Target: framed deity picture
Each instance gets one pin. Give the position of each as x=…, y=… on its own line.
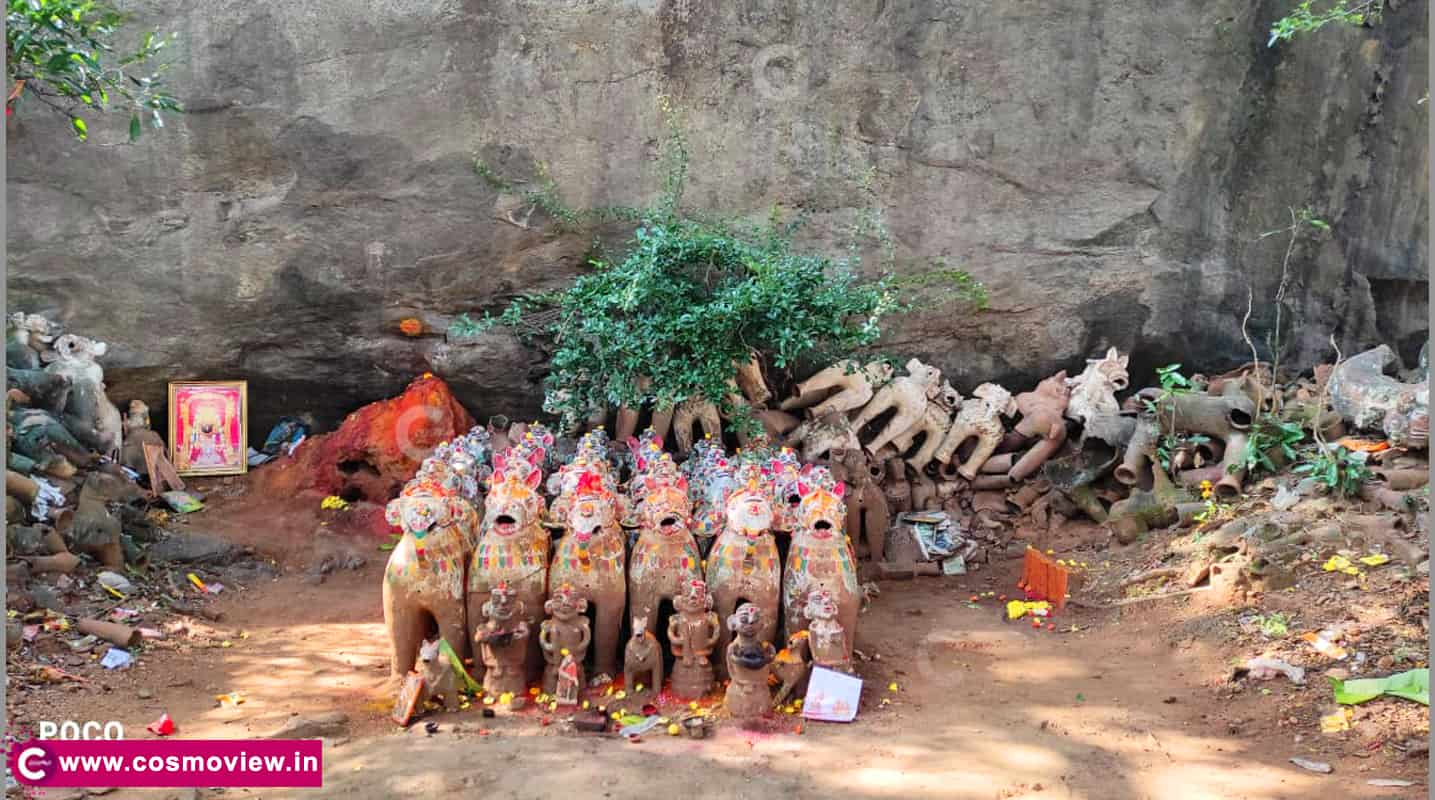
x=209, y=427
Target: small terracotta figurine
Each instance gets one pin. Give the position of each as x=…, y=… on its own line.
x=439, y=678
x=504, y=642
x=566, y=634
x=643, y=658
x=692, y=634
x=792, y=666
x=822, y=434
x=570, y=681
x=829, y=641
x=749, y=662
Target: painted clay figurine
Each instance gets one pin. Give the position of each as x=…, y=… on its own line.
x=425, y=572
x=665, y=559
x=749, y=660
x=566, y=633
x=643, y=659
x=693, y=632
x=512, y=547
x=570, y=681
x=503, y=641
x=831, y=644
x=819, y=435
x=821, y=558
x=591, y=558
x=439, y=677
x=744, y=565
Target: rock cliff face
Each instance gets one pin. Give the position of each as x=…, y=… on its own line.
x=1106, y=168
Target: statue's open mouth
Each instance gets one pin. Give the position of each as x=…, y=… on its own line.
x=504, y=524
x=667, y=522
x=822, y=528
x=585, y=536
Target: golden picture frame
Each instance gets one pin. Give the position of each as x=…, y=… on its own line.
x=209, y=427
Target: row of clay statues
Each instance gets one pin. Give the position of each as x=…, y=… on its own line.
x=522, y=603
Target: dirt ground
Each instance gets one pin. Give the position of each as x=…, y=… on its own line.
x=1132, y=702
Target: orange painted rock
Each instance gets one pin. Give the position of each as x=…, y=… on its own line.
x=376, y=449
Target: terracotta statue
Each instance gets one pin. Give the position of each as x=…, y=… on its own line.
x=936, y=420
x=776, y=424
x=783, y=473
x=693, y=632
x=425, y=574
x=512, y=547
x=85, y=409
x=748, y=659
x=897, y=489
x=570, y=681
x=665, y=559
x=439, y=677
x=566, y=633
x=1042, y=417
x=743, y=565
x=643, y=659
x=698, y=410
x=831, y=641
x=854, y=384
x=908, y=395
x=821, y=558
x=1094, y=390
x=868, y=515
x=792, y=666
x=980, y=417
x=924, y=491
x=710, y=480
x=503, y=640
x=819, y=435
x=591, y=557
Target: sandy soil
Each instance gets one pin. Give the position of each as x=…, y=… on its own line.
x=1133, y=704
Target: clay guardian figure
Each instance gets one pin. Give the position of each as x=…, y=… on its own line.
x=591, y=558
x=744, y=565
x=749, y=660
x=564, y=636
x=693, y=632
x=980, y=417
x=424, y=578
x=665, y=559
x=503, y=641
x=821, y=558
x=908, y=395
x=1042, y=419
x=513, y=547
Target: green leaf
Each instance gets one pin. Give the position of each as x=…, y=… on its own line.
x=80, y=130
x=135, y=127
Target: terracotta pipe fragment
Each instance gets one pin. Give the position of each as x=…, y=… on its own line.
x=64, y=563
x=1193, y=477
x=112, y=632
x=1138, y=451
x=999, y=464
x=984, y=482
x=1402, y=479
x=1229, y=486
x=1032, y=460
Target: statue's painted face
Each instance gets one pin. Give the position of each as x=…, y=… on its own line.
x=823, y=514
x=667, y=510
x=749, y=510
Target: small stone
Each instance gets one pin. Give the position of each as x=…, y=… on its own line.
x=145, y=694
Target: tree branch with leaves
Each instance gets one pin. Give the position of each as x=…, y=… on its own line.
x=62, y=54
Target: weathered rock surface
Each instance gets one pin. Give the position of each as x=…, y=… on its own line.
x=193, y=548
x=1107, y=169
